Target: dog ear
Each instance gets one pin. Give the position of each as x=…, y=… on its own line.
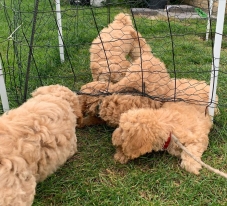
x=117, y=139
x=137, y=144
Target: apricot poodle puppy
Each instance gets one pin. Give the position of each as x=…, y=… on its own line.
x=109, y=51
x=36, y=139
x=100, y=108
x=142, y=131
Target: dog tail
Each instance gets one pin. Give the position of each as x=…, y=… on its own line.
x=124, y=18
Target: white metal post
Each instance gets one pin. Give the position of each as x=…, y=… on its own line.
x=60, y=36
x=209, y=19
x=216, y=55
x=3, y=92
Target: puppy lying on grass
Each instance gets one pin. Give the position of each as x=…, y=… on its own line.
x=142, y=131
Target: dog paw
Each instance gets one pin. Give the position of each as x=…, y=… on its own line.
x=192, y=167
x=119, y=157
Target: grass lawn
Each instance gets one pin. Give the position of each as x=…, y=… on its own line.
x=91, y=177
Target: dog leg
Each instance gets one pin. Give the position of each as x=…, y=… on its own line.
x=120, y=157
x=129, y=81
x=89, y=121
x=188, y=163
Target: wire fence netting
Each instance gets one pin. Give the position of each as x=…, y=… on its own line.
x=161, y=50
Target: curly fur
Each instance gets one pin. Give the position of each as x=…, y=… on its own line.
x=99, y=108
x=64, y=93
x=145, y=130
x=90, y=94
x=165, y=89
x=17, y=186
x=109, y=50
x=191, y=91
x=36, y=139
x=147, y=74
x=89, y=100
x=111, y=107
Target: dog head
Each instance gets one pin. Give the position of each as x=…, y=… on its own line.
x=64, y=93
x=123, y=18
x=140, y=131
x=90, y=95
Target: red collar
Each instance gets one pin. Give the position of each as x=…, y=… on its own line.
x=165, y=146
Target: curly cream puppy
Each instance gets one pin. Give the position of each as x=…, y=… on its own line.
x=100, y=108
x=109, y=51
x=142, y=131
x=36, y=139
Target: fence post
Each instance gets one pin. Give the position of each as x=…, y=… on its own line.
x=209, y=18
x=60, y=37
x=3, y=92
x=216, y=55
